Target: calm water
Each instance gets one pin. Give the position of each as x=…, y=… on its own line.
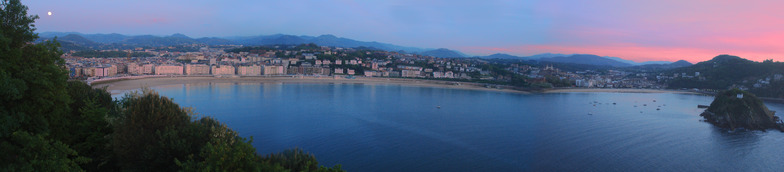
x=399, y=128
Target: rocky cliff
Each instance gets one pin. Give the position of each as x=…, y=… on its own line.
x=740, y=109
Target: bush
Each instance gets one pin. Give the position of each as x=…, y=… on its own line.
x=147, y=132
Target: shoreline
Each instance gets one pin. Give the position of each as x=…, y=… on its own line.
x=615, y=90
x=123, y=85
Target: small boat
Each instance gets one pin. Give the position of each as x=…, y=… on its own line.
x=438, y=107
x=658, y=109
x=654, y=100
x=589, y=113
x=613, y=103
x=644, y=104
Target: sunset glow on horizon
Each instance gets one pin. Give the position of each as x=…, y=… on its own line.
x=646, y=30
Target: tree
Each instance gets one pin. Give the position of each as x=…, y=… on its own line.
x=297, y=160
x=23, y=151
x=224, y=150
x=148, y=131
x=86, y=128
x=32, y=95
x=41, y=115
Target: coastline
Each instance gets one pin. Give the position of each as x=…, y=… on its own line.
x=119, y=86
x=615, y=90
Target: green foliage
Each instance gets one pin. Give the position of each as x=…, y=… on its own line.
x=256, y=50
x=23, y=151
x=33, y=86
x=17, y=27
x=224, y=150
x=264, y=49
x=86, y=128
x=519, y=81
x=724, y=71
x=310, y=46
x=42, y=117
x=153, y=133
x=177, y=48
x=147, y=133
x=495, y=69
x=749, y=112
x=32, y=95
x=297, y=160
x=775, y=89
x=90, y=137
x=541, y=85
x=329, y=57
x=107, y=54
x=558, y=82
x=362, y=54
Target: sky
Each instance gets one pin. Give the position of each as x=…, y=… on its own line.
x=638, y=30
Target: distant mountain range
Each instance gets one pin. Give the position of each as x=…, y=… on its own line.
x=589, y=59
x=534, y=57
x=443, y=53
x=586, y=59
x=79, y=41
x=96, y=40
x=654, y=67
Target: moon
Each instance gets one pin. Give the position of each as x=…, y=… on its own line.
x=49, y=13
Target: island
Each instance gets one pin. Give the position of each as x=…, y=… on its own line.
x=736, y=109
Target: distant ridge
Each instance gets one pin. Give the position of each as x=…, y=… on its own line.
x=533, y=57
x=577, y=59
x=501, y=56
x=276, y=39
x=546, y=55
x=323, y=40
x=79, y=41
x=588, y=59
x=681, y=63
x=442, y=53
x=724, y=71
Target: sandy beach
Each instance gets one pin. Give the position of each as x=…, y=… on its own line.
x=120, y=86
x=117, y=87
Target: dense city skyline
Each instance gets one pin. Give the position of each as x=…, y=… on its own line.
x=641, y=30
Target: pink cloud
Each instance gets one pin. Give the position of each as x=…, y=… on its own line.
x=659, y=30
x=627, y=51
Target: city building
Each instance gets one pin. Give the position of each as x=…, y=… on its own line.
x=168, y=70
x=274, y=70
x=197, y=69
x=250, y=70
x=223, y=70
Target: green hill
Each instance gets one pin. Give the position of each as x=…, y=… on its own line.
x=726, y=71
x=740, y=109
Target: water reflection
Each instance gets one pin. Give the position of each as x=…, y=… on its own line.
x=376, y=127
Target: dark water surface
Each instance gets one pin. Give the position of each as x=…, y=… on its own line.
x=400, y=128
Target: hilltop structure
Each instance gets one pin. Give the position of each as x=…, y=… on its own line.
x=740, y=109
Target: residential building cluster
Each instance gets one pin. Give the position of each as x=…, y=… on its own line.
x=324, y=62
x=332, y=61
